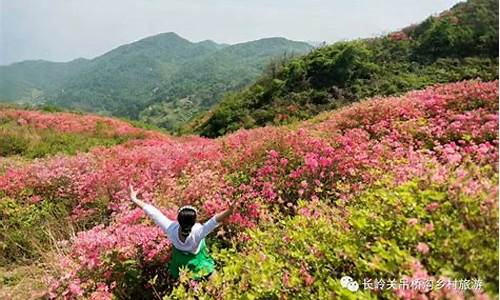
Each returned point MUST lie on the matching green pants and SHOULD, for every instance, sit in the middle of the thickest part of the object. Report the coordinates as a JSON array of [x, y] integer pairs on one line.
[[200, 264]]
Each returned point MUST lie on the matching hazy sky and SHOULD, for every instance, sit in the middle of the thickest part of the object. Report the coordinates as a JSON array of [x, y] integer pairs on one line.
[[61, 30]]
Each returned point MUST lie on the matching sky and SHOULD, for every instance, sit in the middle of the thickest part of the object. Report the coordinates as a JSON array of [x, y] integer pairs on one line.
[[62, 30]]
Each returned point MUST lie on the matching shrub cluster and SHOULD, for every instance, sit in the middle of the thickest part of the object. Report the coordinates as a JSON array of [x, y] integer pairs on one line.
[[407, 186]]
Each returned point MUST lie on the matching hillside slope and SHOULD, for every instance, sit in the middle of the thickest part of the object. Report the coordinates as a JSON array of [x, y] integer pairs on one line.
[[401, 188], [27, 80], [459, 44], [160, 74], [32, 134]]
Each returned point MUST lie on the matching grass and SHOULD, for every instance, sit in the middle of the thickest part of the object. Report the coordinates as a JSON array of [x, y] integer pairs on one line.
[[22, 282]]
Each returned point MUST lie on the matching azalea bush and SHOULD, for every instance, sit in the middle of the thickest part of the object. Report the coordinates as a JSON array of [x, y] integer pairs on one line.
[[422, 228], [459, 44], [407, 186], [35, 134], [67, 122]]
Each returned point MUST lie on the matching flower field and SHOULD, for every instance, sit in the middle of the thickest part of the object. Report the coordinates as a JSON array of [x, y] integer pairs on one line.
[[389, 188], [67, 122], [36, 134]]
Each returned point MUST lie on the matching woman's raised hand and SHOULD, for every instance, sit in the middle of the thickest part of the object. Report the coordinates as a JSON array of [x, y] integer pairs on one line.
[[133, 193], [226, 213], [133, 196]]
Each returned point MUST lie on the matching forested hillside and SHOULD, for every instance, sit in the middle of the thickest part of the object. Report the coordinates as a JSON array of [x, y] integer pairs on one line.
[[163, 79], [26, 81], [458, 44]]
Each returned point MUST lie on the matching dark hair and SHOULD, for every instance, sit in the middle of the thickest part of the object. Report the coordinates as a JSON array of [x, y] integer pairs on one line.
[[186, 218]]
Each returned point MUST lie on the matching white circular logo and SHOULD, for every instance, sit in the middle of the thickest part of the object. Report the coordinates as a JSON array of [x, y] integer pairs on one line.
[[353, 286], [345, 280], [349, 283]]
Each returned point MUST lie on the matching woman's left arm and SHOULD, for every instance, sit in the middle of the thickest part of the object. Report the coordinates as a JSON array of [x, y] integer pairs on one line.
[[220, 217], [154, 213], [213, 222]]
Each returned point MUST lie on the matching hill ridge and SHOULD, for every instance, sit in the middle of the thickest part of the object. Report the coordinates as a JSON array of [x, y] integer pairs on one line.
[[140, 79], [459, 44]]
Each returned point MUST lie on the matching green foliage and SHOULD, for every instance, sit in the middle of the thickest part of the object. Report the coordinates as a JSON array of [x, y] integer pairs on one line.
[[460, 44], [132, 275], [27, 229], [30, 226], [371, 236], [470, 29], [27, 80], [338, 65]]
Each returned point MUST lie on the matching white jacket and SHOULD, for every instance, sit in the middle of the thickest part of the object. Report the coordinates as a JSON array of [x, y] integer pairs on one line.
[[171, 230]]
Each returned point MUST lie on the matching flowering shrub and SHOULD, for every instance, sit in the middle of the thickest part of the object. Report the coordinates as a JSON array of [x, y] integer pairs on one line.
[[398, 36], [69, 122], [386, 233], [436, 150], [35, 134]]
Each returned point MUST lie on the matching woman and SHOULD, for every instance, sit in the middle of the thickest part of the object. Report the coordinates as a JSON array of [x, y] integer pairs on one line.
[[187, 237]]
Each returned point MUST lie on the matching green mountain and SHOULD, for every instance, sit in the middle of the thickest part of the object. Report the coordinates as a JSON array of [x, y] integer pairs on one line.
[[202, 81], [26, 81], [458, 44], [163, 79]]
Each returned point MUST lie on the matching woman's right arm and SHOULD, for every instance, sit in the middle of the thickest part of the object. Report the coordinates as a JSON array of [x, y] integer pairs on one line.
[[133, 197], [155, 214]]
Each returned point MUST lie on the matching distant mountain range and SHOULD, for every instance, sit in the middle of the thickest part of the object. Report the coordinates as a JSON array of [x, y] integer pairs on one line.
[[164, 79]]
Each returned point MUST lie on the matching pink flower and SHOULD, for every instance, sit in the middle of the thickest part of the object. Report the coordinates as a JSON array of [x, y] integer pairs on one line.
[[286, 279], [305, 212], [432, 207], [273, 154], [308, 278], [311, 161], [286, 239], [412, 221], [35, 199], [423, 248], [193, 284], [426, 135], [75, 288]]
